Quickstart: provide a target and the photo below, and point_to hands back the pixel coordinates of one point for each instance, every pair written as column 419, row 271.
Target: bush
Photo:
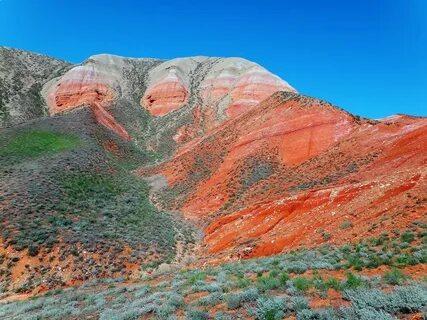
column 366, row 298
column 394, row 276
column 334, row 283
column 405, row 299
column 297, row 267
column 346, row 224
column 407, row 236
column 165, row 311
column 353, row 281
column 175, row 300
column 352, row 313
column 265, row 283
column 298, row 303
column 302, row 284
column 223, row 316
column 109, row 314
column 196, row 315
column 211, row 299
column 142, row 292
column 409, row 299
column 283, row 278
column 322, row 314
column 235, row 300
column 269, row 309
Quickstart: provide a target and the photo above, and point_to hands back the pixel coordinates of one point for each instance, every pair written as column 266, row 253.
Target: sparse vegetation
column 271, row 291
column 272, row 287
column 346, row 224
column 74, row 196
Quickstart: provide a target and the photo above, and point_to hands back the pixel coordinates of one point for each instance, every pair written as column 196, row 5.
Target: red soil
column 70, row 270
column 324, row 167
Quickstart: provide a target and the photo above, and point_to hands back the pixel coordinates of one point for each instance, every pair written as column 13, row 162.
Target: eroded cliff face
column 227, row 86
column 96, row 84
column 371, row 181
column 169, row 86
column 291, row 171
column 197, row 94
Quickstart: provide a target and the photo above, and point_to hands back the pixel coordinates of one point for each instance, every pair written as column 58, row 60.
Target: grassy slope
column 61, row 189
column 32, row 144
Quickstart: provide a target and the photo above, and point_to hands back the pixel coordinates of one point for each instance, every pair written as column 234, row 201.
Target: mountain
column 118, row 166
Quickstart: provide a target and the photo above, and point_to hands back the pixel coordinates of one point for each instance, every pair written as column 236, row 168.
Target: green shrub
column 211, row 300
column 33, row 250
column 321, row 314
column 346, row 224
column 195, row 277
column 269, row 309
column 326, row 235
column 302, row 284
column 406, row 259
column 381, row 240
column 374, row 261
column 283, row 278
column 236, row 300
column 242, row 282
column 355, row 261
column 196, row 315
column 394, row 276
column 334, row 283
column 353, row 281
column 265, row 283
column 407, row 236
column 298, row 303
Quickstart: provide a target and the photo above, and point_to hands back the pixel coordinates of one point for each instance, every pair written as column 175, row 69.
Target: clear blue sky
column 367, row 56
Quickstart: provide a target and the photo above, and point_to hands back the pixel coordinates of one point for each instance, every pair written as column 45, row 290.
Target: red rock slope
column 296, row 171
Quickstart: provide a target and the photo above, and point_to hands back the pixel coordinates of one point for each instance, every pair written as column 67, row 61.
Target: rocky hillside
column 291, row 172
column 22, row 75
column 118, row 166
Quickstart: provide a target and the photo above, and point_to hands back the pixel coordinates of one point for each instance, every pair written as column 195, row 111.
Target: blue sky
column 367, row 56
